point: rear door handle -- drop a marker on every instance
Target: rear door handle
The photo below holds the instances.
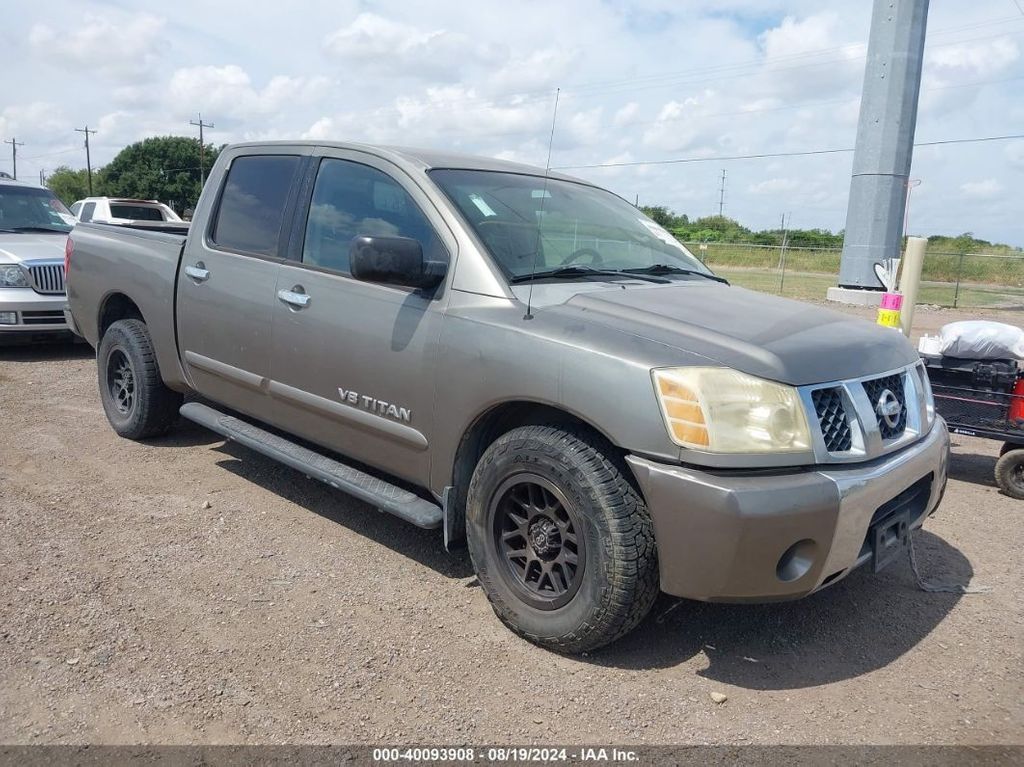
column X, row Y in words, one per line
column 199, row 272
column 295, row 297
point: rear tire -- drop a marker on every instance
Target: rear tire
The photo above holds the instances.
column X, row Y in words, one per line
column 561, row 542
column 1010, row 473
column 135, row 399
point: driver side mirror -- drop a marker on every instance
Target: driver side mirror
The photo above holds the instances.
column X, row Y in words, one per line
column 393, row 261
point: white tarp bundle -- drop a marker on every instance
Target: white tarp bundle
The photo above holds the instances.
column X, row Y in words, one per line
column 982, row 340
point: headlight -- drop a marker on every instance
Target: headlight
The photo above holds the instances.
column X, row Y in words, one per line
column 12, row 276
column 926, row 395
column 724, row 411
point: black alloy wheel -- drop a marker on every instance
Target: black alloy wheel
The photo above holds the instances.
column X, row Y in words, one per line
column 121, row 382
column 538, row 535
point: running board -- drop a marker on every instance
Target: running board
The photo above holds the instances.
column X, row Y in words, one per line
column 377, row 492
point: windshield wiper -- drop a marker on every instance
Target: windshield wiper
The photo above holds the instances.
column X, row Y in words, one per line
column 573, row 272
column 666, row 269
column 19, row 229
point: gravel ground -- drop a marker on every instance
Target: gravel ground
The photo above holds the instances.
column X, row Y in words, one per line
column 188, row 591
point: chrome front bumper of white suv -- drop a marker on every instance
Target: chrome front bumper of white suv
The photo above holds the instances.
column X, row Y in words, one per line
column 23, row 311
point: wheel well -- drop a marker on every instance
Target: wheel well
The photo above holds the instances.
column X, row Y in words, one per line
column 502, row 419
column 117, row 307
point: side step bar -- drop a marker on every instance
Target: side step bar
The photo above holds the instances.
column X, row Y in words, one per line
column 377, row 492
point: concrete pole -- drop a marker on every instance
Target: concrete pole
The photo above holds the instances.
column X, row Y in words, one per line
column 885, row 140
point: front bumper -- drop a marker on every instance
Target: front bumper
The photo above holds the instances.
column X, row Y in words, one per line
column 729, row 537
column 34, row 313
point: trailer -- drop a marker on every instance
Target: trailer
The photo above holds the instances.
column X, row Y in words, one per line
column 984, row 398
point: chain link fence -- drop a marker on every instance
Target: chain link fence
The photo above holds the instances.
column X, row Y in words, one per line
column 971, row 280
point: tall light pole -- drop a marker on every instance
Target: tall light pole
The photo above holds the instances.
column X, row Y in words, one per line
column 14, row 154
column 202, row 147
column 885, row 142
column 88, row 156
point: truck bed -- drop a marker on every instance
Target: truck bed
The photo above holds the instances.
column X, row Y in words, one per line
column 109, row 261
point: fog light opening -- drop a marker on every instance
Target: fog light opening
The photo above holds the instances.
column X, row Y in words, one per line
column 8, row 318
column 797, row 560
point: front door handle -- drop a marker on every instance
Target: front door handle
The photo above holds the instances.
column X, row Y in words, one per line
column 295, row 297
column 199, row 272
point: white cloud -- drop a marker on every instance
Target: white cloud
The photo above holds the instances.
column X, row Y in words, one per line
column 626, row 114
column 972, row 59
column 229, row 89
column 542, row 69
column 809, row 57
column 682, row 125
column 382, row 46
column 1015, row 153
column 639, row 80
column 125, row 48
column 322, row 129
column 987, row 189
column 774, row 186
column 35, row 119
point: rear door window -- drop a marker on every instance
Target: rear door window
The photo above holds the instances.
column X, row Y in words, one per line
column 252, row 203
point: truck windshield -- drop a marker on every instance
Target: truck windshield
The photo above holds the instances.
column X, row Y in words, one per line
column 530, row 225
column 27, row 208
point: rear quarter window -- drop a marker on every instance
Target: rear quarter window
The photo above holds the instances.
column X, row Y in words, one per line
column 252, row 203
column 136, row 212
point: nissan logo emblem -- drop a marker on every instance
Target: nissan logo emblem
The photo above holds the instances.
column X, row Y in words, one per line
column 889, row 408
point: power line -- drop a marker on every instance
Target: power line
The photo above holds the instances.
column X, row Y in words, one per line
column 51, row 154
column 766, row 155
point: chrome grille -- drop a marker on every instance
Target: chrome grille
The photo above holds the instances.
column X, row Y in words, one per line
column 874, row 389
column 835, row 428
column 47, row 279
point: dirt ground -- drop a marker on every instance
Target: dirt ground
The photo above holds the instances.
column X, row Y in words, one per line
column 189, row 591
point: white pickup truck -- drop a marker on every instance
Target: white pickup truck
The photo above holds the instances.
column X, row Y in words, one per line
column 119, row 210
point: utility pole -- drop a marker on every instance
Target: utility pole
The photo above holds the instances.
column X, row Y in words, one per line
column 14, row 153
column 721, row 195
column 885, row 143
column 202, row 147
column 88, row 156
column 42, row 177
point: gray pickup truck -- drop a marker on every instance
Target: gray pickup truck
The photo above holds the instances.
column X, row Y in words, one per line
column 525, row 361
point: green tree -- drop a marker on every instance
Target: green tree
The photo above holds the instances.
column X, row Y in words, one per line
column 164, row 168
column 71, row 185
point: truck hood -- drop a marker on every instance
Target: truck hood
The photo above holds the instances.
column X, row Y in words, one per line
column 19, row 248
column 767, row 336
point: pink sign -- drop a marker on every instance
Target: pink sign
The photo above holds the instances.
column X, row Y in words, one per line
column 893, row 301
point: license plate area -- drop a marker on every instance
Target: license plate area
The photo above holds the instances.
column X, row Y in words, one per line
column 889, row 538
column 888, row 533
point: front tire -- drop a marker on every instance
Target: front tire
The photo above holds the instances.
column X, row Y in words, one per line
column 561, row 542
column 135, row 399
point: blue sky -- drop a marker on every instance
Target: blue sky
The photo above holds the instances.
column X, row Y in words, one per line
column 646, row 80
